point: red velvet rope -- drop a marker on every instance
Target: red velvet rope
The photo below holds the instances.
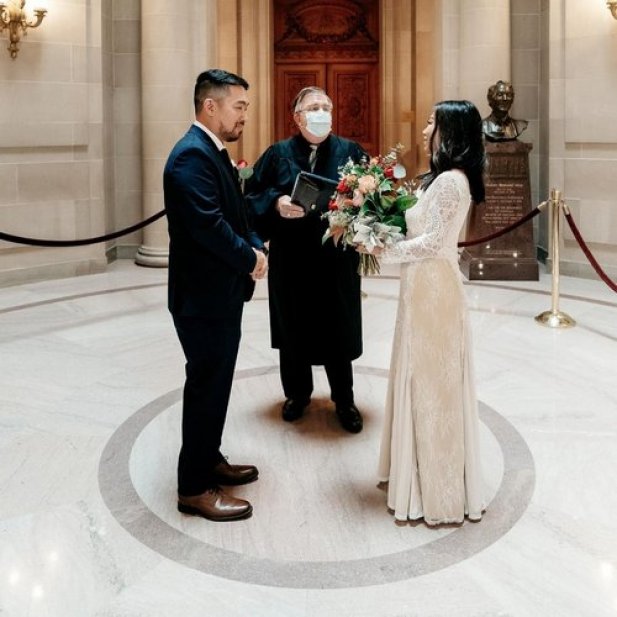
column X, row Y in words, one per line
column 503, row 231
column 592, row 260
column 122, row 232
column 497, row 234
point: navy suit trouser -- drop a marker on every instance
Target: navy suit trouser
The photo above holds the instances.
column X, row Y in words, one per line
column 211, row 348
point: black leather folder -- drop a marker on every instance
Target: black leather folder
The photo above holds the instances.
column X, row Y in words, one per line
column 313, row 192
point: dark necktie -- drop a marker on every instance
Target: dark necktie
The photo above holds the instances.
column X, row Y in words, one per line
column 313, row 157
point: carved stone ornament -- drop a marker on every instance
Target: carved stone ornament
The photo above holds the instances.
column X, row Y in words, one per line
column 340, row 23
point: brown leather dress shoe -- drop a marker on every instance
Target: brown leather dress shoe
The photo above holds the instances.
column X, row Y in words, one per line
column 234, row 475
column 215, row 505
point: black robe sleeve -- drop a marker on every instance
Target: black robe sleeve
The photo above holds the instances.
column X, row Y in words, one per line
column 262, row 192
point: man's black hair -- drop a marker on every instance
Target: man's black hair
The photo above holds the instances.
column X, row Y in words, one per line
column 214, row 84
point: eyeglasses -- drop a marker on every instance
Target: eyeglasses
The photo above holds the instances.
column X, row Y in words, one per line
column 316, row 107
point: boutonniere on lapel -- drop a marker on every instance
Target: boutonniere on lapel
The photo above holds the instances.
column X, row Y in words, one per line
column 245, row 171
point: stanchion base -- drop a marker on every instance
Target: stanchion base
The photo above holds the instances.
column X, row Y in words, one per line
column 555, row 320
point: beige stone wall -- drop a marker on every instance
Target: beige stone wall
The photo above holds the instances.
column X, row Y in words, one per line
column 583, row 134
column 473, row 50
column 75, row 160
column 526, row 26
column 52, row 146
column 72, row 157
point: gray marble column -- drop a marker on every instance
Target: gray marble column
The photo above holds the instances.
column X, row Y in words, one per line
column 485, row 54
column 167, row 78
column 474, row 48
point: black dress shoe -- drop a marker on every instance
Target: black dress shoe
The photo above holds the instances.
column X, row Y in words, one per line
column 350, row 418
column 215, row 505
column 234, row 475
column 292, row 409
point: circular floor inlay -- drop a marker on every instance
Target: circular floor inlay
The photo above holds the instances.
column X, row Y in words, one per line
column 186, row 541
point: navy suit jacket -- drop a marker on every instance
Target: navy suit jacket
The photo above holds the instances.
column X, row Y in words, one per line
column 210, row 254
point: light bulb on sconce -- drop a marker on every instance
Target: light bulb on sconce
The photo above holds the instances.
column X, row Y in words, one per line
column 612, row 7
column 13, row 18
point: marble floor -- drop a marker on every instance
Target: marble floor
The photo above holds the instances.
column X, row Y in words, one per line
column 90, row 378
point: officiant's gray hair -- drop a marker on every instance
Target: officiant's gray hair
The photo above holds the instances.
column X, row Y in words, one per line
column 297, row 102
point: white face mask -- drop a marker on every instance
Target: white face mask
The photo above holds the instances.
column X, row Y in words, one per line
column 319, row 123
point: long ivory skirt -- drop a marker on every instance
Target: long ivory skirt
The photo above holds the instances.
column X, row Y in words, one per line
column 430, row 451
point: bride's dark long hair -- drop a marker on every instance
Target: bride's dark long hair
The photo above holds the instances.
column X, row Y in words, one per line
column 460, row 145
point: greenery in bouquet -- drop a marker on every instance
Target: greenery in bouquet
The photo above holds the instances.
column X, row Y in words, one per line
column 368, row 207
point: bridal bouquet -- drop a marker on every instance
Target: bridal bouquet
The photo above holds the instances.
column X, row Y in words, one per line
column 368, row 207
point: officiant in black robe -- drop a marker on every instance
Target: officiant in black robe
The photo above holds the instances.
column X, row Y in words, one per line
column 314, row 287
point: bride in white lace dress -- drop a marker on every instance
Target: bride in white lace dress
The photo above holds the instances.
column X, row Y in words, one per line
column 430, row 451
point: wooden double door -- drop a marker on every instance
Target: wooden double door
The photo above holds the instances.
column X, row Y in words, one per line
column 353, row 89
column 332, row 45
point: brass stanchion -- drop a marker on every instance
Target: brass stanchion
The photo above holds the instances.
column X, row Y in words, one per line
column 555, row 318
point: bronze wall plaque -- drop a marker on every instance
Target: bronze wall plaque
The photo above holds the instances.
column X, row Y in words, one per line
column 511, row 257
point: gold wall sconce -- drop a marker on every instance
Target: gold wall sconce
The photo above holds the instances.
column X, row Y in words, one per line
column 13, row 17
column 612, row 7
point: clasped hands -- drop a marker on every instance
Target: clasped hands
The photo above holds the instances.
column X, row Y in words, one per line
column 261, row 266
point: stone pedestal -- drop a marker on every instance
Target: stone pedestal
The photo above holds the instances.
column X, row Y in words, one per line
column 511, row 257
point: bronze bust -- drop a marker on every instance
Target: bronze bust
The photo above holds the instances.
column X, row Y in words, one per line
column 499, row 126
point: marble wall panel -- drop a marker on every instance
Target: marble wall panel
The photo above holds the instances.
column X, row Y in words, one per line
column 126, row 105
column 40, row 113
column 127, row 71
column 35, row 135
column 590, row 179
column 526, row 66
column 81, row 71
column 126, row 9
column 46, row 182
column 526, row 103
column 35, row 61
column 525, row 30
column 484, row 48
column 127, row 36
column 166, row 103
column 590, row 72
column 595, row 219
column 587, row 122
column 49, row 219
column 65, row 23
column 525, row 6
column 128, row 172
column 8, row 182
column 127, row 140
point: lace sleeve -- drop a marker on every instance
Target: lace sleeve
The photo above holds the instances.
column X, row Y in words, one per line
column 442, row 208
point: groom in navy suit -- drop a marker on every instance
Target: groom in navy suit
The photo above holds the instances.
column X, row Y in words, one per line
column 214, row 260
